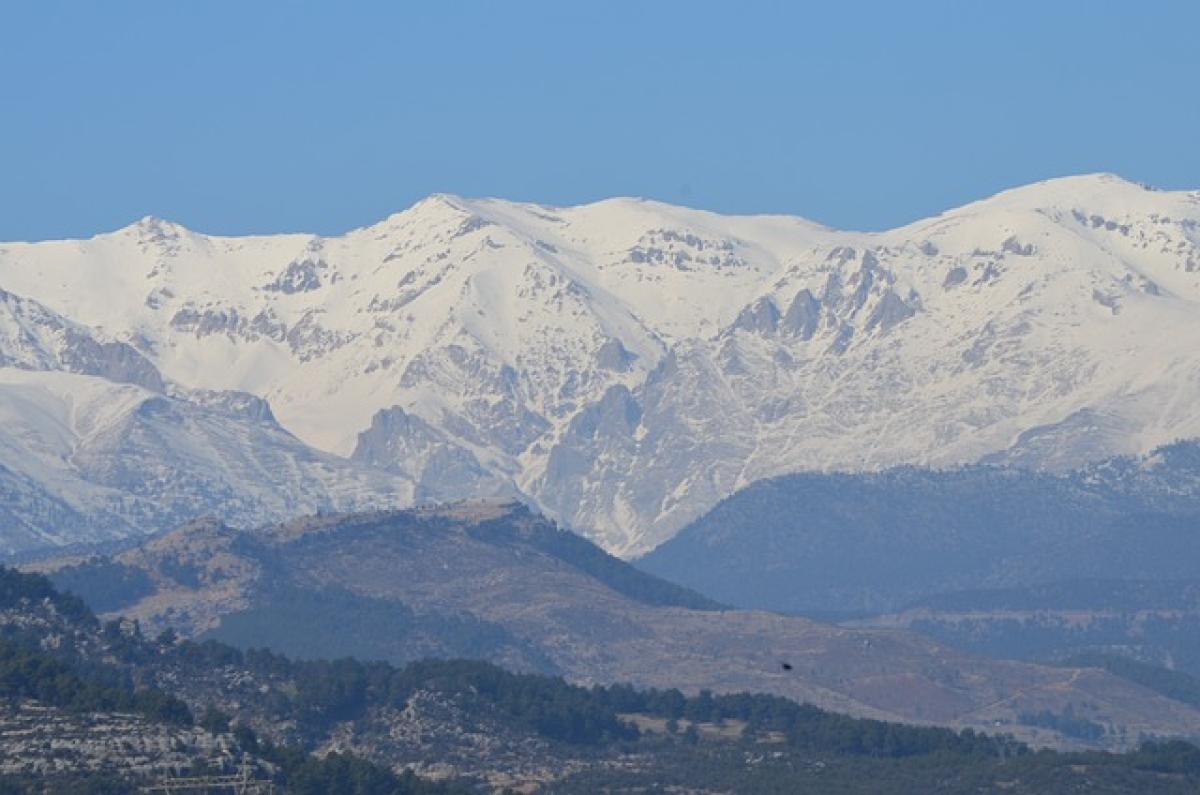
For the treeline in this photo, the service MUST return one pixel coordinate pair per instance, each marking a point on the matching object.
(27, 674)
(326, 692)
(331, 691)
(318, 694)
(805, 726)
(1161, 769)
(305, 774)
(78, 685)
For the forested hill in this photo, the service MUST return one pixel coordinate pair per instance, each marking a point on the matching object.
(475, 719)
(495, 582)
(823, 543)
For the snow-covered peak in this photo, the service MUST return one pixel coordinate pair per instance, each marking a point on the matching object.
(1062, 193)
(625, 363)
(149, 229)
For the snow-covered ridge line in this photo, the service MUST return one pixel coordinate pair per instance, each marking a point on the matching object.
(625, 364)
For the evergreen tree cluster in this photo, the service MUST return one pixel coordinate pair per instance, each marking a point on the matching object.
(104, 584)
(838, 752)
(805, 726)
(33, 675)
(18, 587)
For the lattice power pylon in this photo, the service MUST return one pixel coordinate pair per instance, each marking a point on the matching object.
(240, 783)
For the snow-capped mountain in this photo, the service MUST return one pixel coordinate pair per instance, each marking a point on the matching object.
(95, 445)
(628, 363)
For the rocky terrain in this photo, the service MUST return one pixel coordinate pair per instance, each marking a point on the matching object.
(495, 581)
(44, 741)
(97, 446)
(93, 706)
(623, 365)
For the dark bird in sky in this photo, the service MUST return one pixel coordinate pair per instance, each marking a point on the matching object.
(785, 666)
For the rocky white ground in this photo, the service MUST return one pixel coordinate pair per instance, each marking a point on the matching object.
(624, 364)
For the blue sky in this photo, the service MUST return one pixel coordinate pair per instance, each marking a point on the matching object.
(235, 117)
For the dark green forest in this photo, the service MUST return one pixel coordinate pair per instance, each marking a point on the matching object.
(784, 746)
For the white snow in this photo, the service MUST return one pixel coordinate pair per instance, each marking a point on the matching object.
(494, 323)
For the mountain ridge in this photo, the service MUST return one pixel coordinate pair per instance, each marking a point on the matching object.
(624, 365)
(822, 543)
(1071, 182)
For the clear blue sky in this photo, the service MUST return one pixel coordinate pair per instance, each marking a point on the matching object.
(252, 116)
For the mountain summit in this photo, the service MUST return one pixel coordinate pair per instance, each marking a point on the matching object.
(626, 364)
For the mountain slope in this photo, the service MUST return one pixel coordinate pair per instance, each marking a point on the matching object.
(86, 460)
(92, 707)
(493, 580)
(877, 541)
(627, 364)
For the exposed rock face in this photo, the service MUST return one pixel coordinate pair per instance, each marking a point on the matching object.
(762, 316)
(441, 468)
(103, 461)
(301, 276)
(613, 356)
(803, 316)
(42, 741)
(34, 338)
